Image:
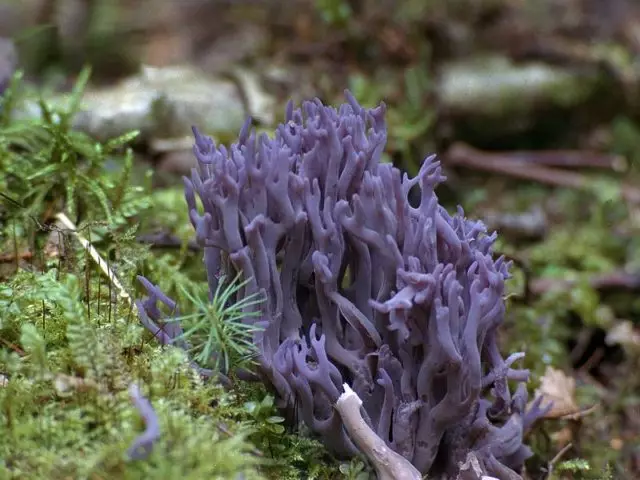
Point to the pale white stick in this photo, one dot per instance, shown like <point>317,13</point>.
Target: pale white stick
<point>104,266</point>
<point>388,464</point>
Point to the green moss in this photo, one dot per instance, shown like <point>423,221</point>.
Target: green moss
<point>70,344</point>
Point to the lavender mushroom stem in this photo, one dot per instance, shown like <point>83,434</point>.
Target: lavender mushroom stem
<point>143,444</point>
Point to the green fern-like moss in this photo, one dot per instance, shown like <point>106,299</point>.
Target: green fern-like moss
<point>71,345</point>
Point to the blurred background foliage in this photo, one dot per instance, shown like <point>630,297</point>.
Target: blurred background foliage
<point>532,106</point>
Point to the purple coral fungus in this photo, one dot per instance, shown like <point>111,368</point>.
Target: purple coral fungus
<point>143,443</point>
<point>401,302</point>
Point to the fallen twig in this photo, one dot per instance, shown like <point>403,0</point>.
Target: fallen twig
<point>460,154</point>
<point>606,282</point>
<point>388,464</point>
<point>104,266</point>
<point>463,155</point>
<point>568,159</point>
<point>556,459</point>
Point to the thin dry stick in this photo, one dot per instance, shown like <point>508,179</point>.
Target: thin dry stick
<point>463,155</point>
<point>557,458</point>
<point>613,281</point>
<point>104,266</point>
<point>566,159</point>
<point>388,464</point>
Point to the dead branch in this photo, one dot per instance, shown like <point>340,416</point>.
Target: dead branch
<point>388,464</point>
<point>614,281</point>
<point>463,155</point>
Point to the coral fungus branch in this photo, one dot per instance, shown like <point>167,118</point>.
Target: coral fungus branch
<point>142,445</point>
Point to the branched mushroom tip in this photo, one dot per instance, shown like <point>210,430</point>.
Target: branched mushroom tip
<point>388,464</point>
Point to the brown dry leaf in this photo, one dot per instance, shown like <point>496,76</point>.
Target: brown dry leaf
<point>559,388</point>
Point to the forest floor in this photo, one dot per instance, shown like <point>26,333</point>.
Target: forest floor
<point>532,107</point>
